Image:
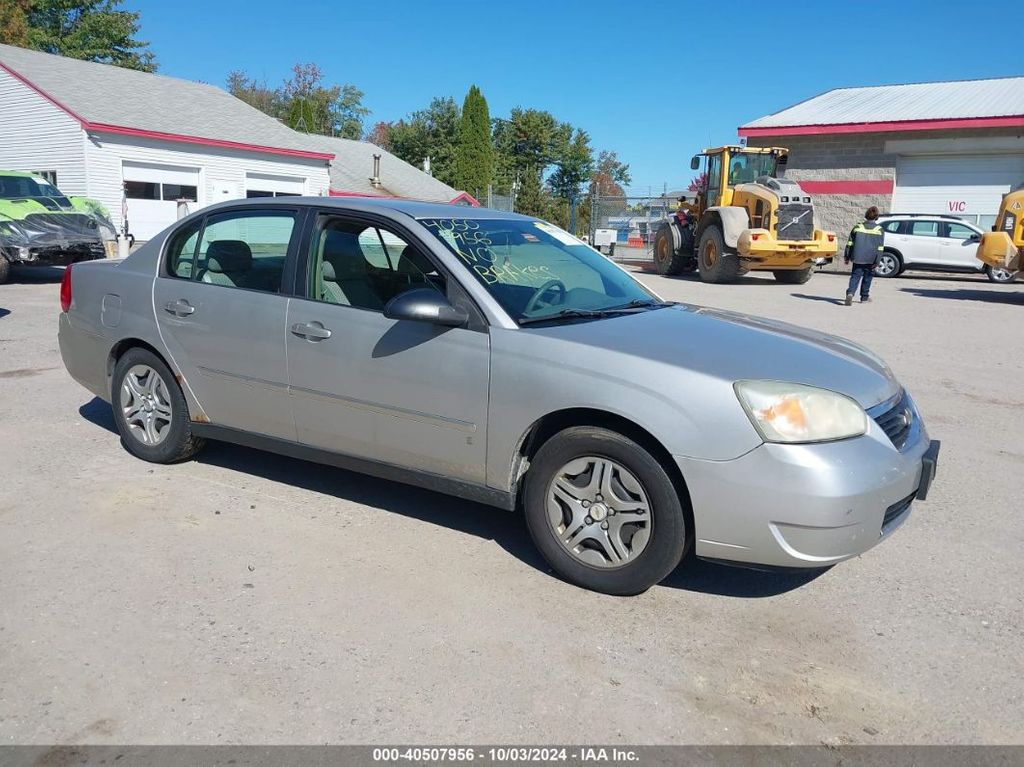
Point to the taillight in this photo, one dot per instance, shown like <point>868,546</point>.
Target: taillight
<point>831,238</point>
<point>65,290</point>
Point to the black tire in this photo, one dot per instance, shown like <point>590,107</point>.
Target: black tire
<point>667,259</point>
<point>179,444</point>
<point>1000,276</point>
<point>885,260</point>
<point>715,263</point>
<point>668,531</point>
<point>5,270</point>
<point>793,276</point>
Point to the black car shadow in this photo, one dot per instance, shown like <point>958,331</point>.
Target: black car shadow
<point>506,529</point>
<point>824,299</point>
<point>997,295</point>
<point>4,312</point>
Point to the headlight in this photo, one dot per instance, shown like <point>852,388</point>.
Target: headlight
<point>790,412</point>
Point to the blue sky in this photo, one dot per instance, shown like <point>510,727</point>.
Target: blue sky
<point>655,82</point>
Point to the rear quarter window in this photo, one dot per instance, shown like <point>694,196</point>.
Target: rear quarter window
<point>181,251</point>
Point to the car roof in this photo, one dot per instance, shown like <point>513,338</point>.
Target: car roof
<point>19,174</point>
<point>411,208</point>
<point>943,216</point>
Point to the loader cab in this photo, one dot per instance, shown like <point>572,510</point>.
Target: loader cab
<point>728,166</point>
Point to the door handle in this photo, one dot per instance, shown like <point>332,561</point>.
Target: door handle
<point>179,308</point>
<point>311,331</point>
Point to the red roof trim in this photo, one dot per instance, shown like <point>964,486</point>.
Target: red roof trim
<point>465,196</point>
<point>125,131</point>
<point>44,94</point>
<point>879,186</point>
<point>878,127</point>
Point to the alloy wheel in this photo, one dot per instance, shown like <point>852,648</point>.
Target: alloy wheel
<point>146,404</point>
<point>886,265</point>
<point>599,512</point>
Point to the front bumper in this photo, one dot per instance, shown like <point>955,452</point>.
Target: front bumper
<point>807,505</point>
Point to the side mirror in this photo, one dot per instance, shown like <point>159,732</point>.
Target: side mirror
<point>425,305</point>
<point>783,160</point>
<point>695,163</point>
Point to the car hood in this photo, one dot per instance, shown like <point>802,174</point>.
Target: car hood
<point>733,347</point>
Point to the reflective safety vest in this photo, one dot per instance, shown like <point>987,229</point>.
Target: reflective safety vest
<point>865,243</point>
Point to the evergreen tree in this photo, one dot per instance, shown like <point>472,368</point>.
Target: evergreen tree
<point>530,197</point>
<point>474,153</point>
<point>94,30</point>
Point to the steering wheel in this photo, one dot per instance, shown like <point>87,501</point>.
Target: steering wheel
<point>535,298</point>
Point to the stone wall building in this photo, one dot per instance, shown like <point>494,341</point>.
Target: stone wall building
<point>953,148</point>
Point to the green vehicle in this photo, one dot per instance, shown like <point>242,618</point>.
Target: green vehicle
<point>40,226</point>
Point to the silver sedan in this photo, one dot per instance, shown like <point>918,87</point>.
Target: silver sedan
<point>495,357</point>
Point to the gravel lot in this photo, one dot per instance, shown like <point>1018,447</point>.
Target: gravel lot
<point>246,598</point>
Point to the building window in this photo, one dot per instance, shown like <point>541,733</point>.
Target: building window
<point>49,175</point>
<point>263,193</point>
<point>174,192</point>
<point>141,190</point>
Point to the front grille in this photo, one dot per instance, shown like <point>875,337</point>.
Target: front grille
<point>795,222</point>
<point>897,510</point>
<point>897,420</point>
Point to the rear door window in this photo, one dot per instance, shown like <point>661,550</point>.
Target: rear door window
<point>238,249</point>
<point>924,228</point>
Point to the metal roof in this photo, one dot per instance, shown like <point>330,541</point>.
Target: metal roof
<point>951,100</point>
<point>102,96</point>
<point>352,168</point>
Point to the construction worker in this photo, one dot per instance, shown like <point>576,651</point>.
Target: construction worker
<point>863,249</point>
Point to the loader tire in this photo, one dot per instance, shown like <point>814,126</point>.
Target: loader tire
<point>793,276</point>
<point>667,260</point>
<point>715,263</point>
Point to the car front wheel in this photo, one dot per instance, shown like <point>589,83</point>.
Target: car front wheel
<point>150,411</point>
<point>1002,276</point>
<point>603,511</point>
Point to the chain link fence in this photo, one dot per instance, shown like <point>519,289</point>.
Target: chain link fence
<point>624,227</point>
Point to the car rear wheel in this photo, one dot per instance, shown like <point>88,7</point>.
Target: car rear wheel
<point>603,511</point>
<point>667,260</point>
<point>1000,275</point>
<point>888,265</point>
<point>792,276</point>
<point>150,411</point>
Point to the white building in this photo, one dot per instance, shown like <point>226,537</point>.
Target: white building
<point>945,147</point>
<point>139,142</point>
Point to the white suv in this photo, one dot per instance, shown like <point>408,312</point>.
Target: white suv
<point>932,243</point>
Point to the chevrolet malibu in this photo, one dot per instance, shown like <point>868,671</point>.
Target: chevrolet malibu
<point>495,357</point>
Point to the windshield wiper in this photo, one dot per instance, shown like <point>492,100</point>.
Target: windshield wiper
<point>607,311</point>
<point>565,314</point>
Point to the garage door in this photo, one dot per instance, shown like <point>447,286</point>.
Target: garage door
<point>151,195</point>
<point>970,186</point>
<point>264,185</point>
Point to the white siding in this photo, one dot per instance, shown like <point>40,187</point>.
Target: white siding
<point>35,135</point>
<point>222,172</point>
<point>970,185</point>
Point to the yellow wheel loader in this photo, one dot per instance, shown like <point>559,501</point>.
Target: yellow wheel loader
<point>1003,247</point>
<point>745,218</point>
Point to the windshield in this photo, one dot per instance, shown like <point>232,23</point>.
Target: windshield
<point>12,187</point>
<point>744,168</point>
<point>536,270</point>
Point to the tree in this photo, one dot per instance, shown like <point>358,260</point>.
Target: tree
<point>699,184</point>
<point>530,197</point>
<point>304,102</point>
<point>474,153</point>
<point>312,107</point>
<point>255,94</point>
<point>573,168</point>
<point>380,134</point>
<point>93,30</point>
<point>14,22</point>
<point>430,132</point>
<point>609,175</point>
